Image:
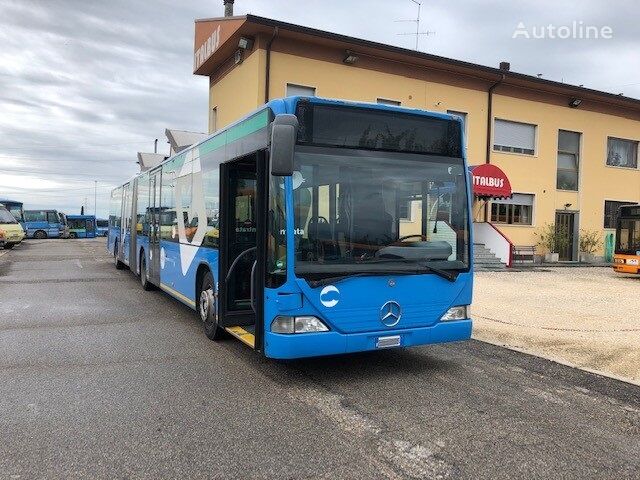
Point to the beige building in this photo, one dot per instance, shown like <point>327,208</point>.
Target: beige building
<point>570,154</point>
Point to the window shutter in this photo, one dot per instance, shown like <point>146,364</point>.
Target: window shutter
<point>514,134</point>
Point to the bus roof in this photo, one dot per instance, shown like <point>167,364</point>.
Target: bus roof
<point>288,105</point>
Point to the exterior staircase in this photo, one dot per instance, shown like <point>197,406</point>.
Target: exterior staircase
<point>484,260</point>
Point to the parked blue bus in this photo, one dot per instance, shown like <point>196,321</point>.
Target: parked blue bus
<point>310,227</point>
<point>16,209</point>
<point>44,224</point>
<point>81,226</point>
<point>102,227</point>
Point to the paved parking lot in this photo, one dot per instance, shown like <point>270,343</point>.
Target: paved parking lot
<point>588,317</point>
<point>102,380</point>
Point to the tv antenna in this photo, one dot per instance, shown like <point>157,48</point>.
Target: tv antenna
<point>417,22</point>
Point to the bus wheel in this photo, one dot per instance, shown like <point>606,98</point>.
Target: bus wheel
<point>40,235</point>
<point>144,275</point>
<point>9,246</point>
<point>207,309</point>
<point>119,264</point>
<point>73,235</point>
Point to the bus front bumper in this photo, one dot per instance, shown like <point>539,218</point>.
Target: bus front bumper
<point>282,346</point>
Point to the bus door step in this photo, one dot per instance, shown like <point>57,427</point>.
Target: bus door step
<point>245,334</point>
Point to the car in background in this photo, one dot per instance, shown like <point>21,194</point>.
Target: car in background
<point>102,227</point>
<point>12,231</point>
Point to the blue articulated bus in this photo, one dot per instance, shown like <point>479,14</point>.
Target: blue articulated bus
<point>43,224</point>
<point>81,226</point>
<point>310,227</point>
<point>16,209</point>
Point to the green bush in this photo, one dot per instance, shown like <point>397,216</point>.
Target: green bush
<point>552,238</point>
<point>590,241</point>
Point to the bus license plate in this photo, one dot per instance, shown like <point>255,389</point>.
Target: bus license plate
<point>387,342</point>
<point>632,261</point>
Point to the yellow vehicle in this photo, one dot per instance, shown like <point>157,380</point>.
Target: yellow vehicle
<point>627,253</point>
<point>12,232</point>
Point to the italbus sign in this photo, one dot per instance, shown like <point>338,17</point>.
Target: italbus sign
<point>490,181</point>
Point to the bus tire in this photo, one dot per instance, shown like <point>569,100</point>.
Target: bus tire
<point>207,308</point>
<point>144,274</point>
<point>40,234</point>
<point>9,246</point>
<point>73,235</point>
<point>119,264</point>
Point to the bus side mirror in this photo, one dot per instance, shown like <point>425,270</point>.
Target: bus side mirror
<point>284,131</point>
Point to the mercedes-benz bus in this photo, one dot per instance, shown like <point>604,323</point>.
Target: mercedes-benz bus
<point>626,257</point>
<point>310,227</point>
<point>44,224</point>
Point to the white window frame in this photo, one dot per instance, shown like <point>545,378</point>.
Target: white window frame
<point>533,211</point>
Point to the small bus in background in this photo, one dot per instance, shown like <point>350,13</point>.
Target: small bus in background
<point>81,226</point>
<point>626,257</point>
<point>102,227</point>
<point>43,224</point>
<point>16,209</point>
<point>288,229</point>
<point>11,232</point>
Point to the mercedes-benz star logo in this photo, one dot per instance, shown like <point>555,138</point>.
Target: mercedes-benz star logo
<point>390,313</point>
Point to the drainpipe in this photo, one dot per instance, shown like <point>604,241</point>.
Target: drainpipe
<point>268,66</point>
<point>489,133</point>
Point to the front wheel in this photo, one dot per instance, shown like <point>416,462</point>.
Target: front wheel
<point>144,275</point>
<point>9,246</point>
<point>119,264</point>
<point>73,235</point>
<point>207,309</point>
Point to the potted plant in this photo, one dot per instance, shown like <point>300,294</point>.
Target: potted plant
<point>590,242</point>
<point>552,239</point>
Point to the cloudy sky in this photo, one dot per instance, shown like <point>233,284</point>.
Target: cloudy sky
<point>85,84</point>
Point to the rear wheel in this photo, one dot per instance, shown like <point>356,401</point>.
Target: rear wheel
<point>9,246</point>
<point>144,275</point>
<point>73,235</point>
<point>207,309</point>
<point>119,264</point>
<point>40,234</point>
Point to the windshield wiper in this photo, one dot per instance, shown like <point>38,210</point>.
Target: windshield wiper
<point>326,281</point>
<point>422,267</point>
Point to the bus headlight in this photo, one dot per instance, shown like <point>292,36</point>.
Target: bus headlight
<point>456,313</point>
<point>303,324</point>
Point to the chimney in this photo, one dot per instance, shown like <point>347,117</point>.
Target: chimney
<point>228,8</point>
<point>506,66</point>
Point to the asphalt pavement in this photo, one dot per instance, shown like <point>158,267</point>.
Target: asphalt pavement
<point>99,379</point>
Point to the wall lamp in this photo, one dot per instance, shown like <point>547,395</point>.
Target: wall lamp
<point>575,102</point>
<point>567,205</point>
<point>350,58</point>
<point>245,43</point>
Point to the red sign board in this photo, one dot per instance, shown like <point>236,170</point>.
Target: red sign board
<point>490,181</point>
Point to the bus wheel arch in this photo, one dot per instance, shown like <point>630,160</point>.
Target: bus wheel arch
<point>206,303</point>
<point>144,273</point>
<point>119,264</point>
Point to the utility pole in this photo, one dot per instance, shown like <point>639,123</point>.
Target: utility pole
<point>95,198</point>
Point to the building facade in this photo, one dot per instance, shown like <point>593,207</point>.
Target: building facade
<point>570,153</point>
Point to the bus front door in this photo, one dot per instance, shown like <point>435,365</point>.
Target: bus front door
<point>242,248</point>
<point>154,227</point>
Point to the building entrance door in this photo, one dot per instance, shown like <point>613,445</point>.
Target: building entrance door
<point>566,223</point>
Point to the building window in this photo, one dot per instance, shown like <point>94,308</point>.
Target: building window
<point>514,137</point>
<point>517,210</point>
<point>300,91</point>
<point>611,212</point>
<point>568,150</point>
<point>622,153</point>
<point>384,101</point>
<point>463,116</point>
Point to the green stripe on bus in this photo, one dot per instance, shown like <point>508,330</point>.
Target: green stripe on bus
<point>249,126</point>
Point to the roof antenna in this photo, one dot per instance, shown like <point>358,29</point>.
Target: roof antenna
<point>417,22</point>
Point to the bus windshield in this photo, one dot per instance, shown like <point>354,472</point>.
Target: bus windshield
<point>6,217</point>
<point>365,211</point>
<point>628,231</point>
